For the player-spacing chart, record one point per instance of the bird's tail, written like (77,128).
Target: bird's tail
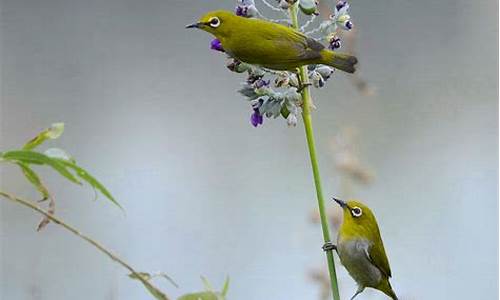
(386,287)
(341,61)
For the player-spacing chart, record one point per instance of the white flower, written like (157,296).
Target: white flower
(291,120)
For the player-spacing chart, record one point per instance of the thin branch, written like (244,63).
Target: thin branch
(315,30)
(309,22)
(76,232)
(272,7)
(272,20)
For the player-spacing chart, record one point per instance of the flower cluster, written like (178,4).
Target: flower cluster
(277,93)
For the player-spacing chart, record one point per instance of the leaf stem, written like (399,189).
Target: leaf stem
(97,245)
(306,117)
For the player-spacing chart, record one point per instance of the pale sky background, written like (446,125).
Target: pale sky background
(155,115)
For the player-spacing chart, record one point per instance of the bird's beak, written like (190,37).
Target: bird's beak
(194,25)
(340,202)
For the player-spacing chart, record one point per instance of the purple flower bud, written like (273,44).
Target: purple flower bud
(256,118)
(252,78)
(259,83)
(256,104)
(239,11)
(340,5)
(216,45)
(348,24)
(247,11)
(335,43)
(325,72)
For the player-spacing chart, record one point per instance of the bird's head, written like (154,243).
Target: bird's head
(358,218)
(216,22)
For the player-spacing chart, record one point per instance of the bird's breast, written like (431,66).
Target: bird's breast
(353,254)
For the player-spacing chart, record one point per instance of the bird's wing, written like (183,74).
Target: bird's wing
(294,45)
(376,254)
(273,44)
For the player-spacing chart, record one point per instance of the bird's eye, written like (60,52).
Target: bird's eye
(356,212)
(214,22)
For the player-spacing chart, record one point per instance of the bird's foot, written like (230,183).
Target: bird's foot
(329,246)
(359,291)
(302,86)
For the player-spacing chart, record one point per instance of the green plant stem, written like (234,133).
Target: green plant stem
(76,232)
(306,117)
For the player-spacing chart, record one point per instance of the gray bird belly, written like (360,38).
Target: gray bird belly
(354,256)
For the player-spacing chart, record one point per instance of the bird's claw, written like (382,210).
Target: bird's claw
(303,86)
(329,246)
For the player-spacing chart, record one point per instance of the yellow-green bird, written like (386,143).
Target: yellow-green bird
(268,44)
(361,250)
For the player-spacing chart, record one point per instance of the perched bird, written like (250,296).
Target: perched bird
(361,250)
(268,44)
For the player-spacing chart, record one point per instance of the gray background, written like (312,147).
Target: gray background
(155,115)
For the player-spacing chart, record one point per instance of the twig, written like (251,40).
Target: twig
(97,245)
(309,22)
(272,7)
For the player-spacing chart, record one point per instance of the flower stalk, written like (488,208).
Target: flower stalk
(133,273)
(307,119)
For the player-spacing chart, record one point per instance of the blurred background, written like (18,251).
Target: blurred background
(156,116)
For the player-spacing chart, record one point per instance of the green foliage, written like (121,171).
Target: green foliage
(59,161)
(34,179)
(84,175)
(146,277)
(52,133)
(209,294)
(201,296)
(151,289)
(54,158)
(225,288)
(31,157)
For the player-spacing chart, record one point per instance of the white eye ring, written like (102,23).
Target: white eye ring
(356,211)
(214,22)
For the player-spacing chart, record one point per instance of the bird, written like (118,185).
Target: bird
(269,45)
(361,250)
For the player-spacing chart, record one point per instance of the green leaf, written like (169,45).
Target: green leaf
(84,175)
(151,289)
(58,153)
(201,296)
(52,133)
(148,277)
(32,157)
(284,111)
(225,288)
(207,284)
(154,291)
(209,294)
(34,179)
